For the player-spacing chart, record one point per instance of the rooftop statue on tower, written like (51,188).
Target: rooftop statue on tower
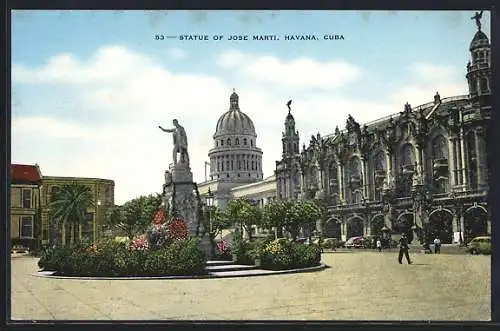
(477,17)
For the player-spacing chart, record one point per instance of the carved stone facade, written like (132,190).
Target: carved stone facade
(422,172)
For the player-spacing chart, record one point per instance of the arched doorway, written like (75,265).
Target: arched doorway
(355,227)
(441,225)
(377,225)
(402,225)
(475,223)
(332,229)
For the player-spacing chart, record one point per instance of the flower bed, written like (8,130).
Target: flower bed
(283,255)
(280,254)
(165,250)
(112,259)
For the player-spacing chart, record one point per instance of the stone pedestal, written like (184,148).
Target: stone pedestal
(181,197)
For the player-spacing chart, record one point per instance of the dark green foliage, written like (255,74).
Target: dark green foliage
(70,206)
(52,259)
(283,255)
(241,248)
(112,259)
(304,256)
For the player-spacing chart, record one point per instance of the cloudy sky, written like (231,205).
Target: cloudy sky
(89,89)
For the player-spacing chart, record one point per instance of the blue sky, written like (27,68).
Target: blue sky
(92,87)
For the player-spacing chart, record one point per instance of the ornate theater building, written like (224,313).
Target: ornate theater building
(422,172)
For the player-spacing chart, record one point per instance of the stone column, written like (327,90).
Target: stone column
(452,161)
(388,160)
(302,183)
(463,162)
(364,176)
(479,143)
(340,179)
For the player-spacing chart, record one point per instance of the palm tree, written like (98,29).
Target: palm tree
(69,206)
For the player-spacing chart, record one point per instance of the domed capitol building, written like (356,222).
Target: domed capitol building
(422,171)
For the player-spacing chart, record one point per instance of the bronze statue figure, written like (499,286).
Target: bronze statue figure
(180,142)
(477,17)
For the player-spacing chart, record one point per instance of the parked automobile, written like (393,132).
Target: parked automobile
(356,242)
(480,245)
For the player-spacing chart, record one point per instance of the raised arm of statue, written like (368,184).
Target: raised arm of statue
(166,130)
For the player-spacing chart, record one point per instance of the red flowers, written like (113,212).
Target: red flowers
(177,229)
(139,244)
(159,217)
(222,246)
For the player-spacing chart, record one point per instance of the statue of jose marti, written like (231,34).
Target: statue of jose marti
(180,142)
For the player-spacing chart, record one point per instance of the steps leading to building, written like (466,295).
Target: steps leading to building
(229,268)
(219,262)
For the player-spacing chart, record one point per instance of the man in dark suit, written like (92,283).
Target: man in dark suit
(403,249)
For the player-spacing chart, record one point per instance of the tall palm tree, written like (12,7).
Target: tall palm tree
(69,206)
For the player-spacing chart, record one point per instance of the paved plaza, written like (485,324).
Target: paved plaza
(357,286)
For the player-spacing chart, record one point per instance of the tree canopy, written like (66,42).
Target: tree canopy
(134,216)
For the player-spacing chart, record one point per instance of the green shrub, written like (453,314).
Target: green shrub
(184,257)
(304,256)
(112,259)
(52,259)
(283,255)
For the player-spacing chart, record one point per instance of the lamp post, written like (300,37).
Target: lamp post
(209,201)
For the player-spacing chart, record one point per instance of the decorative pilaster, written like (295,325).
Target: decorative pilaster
(452,162)
(463,165)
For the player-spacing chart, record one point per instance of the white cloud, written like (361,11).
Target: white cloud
(176,53)
(429,79)
(134,95)
(298,73)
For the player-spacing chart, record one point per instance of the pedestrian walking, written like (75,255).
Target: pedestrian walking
(437,245)
(403,250)
(379,245)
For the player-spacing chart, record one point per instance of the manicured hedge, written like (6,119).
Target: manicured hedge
(284,255)
(112,259)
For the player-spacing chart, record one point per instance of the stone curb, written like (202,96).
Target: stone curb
(49,274)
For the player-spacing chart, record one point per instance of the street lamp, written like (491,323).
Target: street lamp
(209,201)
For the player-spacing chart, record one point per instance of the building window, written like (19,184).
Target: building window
(237,141)
(407,155)
(227,175)
(473,85)
(251,142)
(232,165)
(229,142)
(227,165)
(216,143)
(239,174)
(439,148)
(218,166)
(244,141)
(222,166)
(26,227)
(222,142)
(253,165)
(483,84)
(26,196)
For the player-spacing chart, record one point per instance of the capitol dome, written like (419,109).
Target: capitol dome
(235,157)
(234,121)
